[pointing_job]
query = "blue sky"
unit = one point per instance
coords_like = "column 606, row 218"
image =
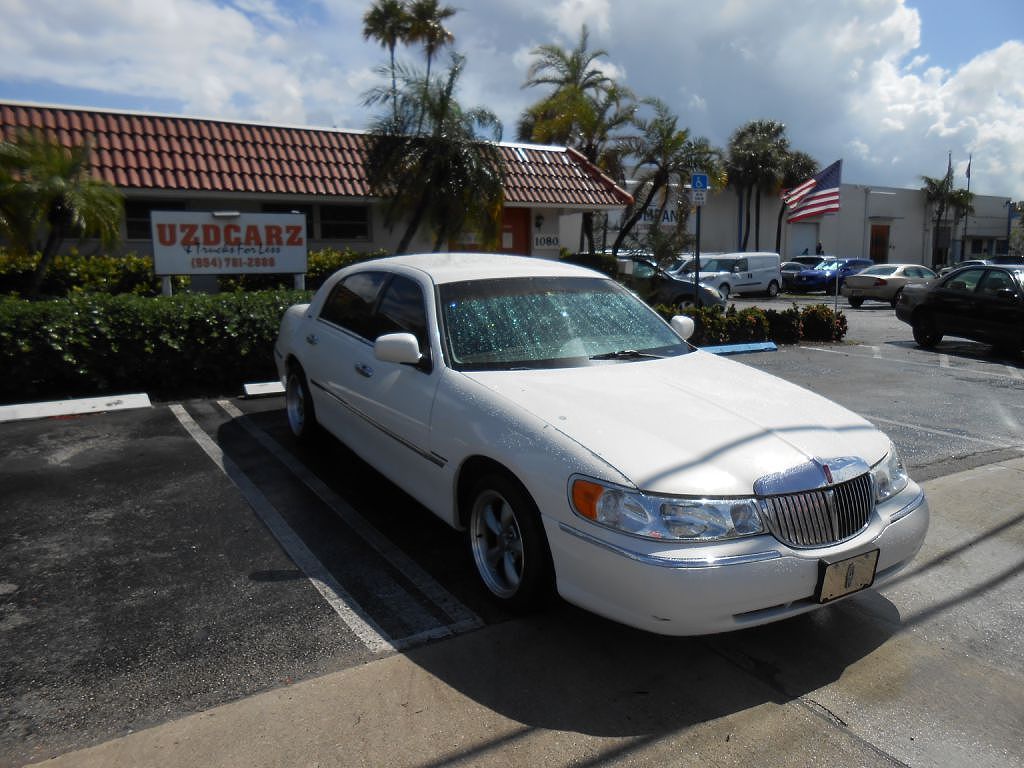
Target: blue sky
column 889, row 86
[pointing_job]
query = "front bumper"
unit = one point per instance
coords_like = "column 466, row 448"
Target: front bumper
column 690, row 590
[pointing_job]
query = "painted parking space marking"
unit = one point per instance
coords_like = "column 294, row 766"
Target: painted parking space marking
column 943, row 360
column 941, row 432
column 463, row 619
column 1010, row 373
column 350, row 612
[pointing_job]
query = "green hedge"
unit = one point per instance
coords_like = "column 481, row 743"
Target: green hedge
column 74, row 273
column 731, row 326
column 94, row 344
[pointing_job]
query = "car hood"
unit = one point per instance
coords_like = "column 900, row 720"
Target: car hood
column 694, row 424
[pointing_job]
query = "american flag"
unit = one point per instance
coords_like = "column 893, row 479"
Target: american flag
column 818, row 195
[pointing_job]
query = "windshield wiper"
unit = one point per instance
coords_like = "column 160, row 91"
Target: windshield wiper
column 625, row 354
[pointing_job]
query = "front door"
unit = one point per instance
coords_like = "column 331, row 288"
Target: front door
column 879, row 243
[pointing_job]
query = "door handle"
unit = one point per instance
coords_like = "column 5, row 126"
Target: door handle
column 312, row 338
column 364, row 370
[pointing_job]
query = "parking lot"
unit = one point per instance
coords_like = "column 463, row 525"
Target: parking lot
column 185, row 585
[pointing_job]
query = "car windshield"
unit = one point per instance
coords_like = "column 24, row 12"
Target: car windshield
column 717, row 265
column 549, row 322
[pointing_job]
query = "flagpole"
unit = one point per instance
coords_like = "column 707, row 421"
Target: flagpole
column 967, row 213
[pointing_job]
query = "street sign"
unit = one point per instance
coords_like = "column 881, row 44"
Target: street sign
column 699, row 181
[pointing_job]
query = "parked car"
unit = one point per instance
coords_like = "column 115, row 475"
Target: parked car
column 884, row 282
column 811, row 261
column 672, row 289
column 587, row 448
column 824, row 276
column 982, row 303
column 729, row 273
column 790, row 269
column 967, row 263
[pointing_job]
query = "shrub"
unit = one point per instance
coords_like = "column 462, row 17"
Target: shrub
column 821, row 323
column 74, row 273
column 731, row 326
column 93, row 344
column 786, row 327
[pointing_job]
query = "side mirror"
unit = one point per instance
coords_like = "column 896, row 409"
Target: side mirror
column 683, row 325
column 397, row 348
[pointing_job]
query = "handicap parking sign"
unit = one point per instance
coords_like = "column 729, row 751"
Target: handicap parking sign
column 699, row 181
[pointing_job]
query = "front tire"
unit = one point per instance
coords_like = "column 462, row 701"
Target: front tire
column 773, row 289
column 896, row 298
column 855, row 302
column 724, row 290
column 926, row 334
column 299, row 404
column 509, row 547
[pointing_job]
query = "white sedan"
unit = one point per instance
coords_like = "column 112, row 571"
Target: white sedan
column 587, row 448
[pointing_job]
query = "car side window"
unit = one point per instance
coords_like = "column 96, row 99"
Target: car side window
column 351, row 303
column 965, row 281
column 402, row 309
column 993, row 281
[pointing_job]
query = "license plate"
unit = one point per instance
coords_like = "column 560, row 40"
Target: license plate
column 846, row 576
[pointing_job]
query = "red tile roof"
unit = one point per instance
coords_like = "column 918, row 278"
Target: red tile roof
column 160, row 152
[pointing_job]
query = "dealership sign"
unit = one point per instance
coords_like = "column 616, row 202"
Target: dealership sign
column 226, row 243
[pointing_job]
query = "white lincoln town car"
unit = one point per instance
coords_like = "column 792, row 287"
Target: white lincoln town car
column 587, row 448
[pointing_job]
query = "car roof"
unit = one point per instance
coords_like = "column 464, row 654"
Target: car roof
column 456, row 267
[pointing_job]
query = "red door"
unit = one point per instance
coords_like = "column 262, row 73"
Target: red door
column 513, row 238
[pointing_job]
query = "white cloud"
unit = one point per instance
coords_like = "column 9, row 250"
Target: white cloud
column 849, row 79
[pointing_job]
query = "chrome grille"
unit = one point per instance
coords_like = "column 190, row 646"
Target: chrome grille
column 820, row 517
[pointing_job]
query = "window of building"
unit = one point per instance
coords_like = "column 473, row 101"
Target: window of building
column 137, row 219
column 306, row 210
column 344, row 222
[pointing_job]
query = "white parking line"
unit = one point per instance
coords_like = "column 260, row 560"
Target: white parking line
column 344, row 605
column 462, row 617
column 943, row 433
column 876, row 352
column 943, row 360
column 1012, row 373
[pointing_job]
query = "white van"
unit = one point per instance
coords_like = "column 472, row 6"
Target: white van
column 756, row 272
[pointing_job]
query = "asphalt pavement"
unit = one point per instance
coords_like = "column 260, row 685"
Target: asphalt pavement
column 149, row 618
column 911, row 676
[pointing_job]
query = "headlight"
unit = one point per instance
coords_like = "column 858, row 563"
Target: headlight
column 889, row 475
column 663, row 517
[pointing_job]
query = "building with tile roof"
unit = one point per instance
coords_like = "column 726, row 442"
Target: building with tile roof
column 165, row 162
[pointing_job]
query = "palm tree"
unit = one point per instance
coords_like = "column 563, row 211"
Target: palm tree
column 426, row 26
column 388, row 23
column 797, row 167
column 756, row 154
column 444, row 174
column 937, row 194
column 46, row 189
column 583, row 109
column 665, row 155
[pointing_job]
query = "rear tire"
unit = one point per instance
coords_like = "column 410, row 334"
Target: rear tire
column 509, row 547
column 299, row 404
column 855, row 301
column 926, row 334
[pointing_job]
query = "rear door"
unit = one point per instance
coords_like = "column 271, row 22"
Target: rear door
column 1000, row 308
